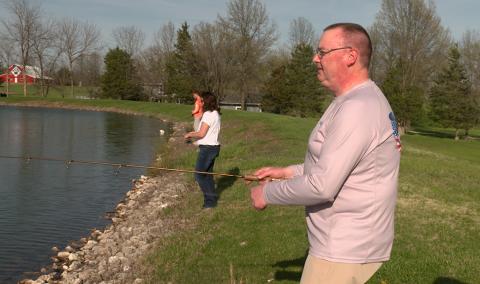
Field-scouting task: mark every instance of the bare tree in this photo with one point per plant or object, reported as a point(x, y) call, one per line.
point(213, 53)
point(301, 32)
point(151, 65)
point(165, 38)
point(411, 31)
point(46, 51)
point(20, 29)
point(88, 70)
point(470, 50)
point(130, 38)
point(249, 28)
point(7, 57)
point(152, 60)
point(77, 39)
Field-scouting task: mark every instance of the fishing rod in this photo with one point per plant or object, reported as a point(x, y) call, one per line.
point(120, 165)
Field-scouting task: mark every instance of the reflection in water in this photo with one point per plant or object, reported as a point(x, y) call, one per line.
point(45, 204)
point(116, 132)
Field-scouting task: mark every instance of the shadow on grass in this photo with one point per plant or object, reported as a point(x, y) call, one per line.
point(226, 182)
point(431, 133)
point(447, 280)
point(440, 134)
point(285, 273)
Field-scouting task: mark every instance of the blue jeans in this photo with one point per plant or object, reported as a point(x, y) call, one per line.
point(205, 161)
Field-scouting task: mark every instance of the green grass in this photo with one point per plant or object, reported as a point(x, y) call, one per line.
point(437, 216)
point(34, 90)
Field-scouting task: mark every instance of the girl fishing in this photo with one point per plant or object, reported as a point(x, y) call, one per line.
point(209, 147)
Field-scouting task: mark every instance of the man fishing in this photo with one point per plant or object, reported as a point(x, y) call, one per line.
point(348, 181)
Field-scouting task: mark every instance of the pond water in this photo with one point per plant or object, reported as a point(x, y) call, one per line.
point(45, 203)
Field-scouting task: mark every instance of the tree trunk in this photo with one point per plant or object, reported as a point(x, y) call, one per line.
point(456, 134)
point(42, 86)
point(42, 80)
point(71, 77)
point(47, 88)
point(24, 81)
point(244, 96)
point(71, 86)
point(402, 127)
point(8, 85)
point(244, 102)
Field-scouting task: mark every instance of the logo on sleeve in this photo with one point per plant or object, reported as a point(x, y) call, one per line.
point(396, 135)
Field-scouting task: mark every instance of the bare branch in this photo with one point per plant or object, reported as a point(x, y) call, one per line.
point(301, 32)
point(77, 39)
point(130, 39)
point(165, 38)
point(409, 30)
point(20, 29)
point(249, 28)
point(470, 50)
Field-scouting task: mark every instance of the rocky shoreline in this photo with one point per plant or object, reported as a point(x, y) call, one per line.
point(117, 253)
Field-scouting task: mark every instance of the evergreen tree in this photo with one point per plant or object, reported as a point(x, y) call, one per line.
point(119, 80)
point(276, 98)
point(294, 89)
point(303, 87)
point(452, 102)
point(406, 100)
point(181, 67)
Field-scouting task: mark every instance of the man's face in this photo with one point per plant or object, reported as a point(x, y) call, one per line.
point(330, 65)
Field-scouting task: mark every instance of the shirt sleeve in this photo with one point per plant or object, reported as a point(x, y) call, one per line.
point(348, 137)
point(297, 169)
point(208, 118)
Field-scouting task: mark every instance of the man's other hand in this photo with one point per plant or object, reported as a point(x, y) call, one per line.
point(256, 195)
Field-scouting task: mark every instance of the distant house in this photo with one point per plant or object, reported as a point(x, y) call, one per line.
point(15, 74)
point(254, 107)
point(233, 101)
point(155, 92)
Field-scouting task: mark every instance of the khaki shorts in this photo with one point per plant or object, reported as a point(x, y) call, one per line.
point(196, 123)
point(317, 271)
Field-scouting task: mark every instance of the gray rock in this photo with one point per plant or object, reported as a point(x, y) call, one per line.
point(63, 255)
point(73, 257)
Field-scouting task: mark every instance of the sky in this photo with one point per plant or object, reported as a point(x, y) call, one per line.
point(150, 15)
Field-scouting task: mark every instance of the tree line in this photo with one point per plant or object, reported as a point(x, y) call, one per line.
point(429, 78)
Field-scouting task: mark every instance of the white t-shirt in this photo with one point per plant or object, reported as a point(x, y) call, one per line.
point(212, 119)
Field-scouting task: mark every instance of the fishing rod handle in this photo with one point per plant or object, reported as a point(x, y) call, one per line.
point(251, 178)
point(255, 178)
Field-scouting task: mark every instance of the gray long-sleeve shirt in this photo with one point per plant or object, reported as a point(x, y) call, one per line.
point(348, 180)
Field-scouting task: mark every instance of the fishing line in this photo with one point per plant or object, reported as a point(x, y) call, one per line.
point(120, 165)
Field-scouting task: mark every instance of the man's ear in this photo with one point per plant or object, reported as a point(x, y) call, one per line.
point(352, 57)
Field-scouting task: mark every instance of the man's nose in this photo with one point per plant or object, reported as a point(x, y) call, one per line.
point(316, 58)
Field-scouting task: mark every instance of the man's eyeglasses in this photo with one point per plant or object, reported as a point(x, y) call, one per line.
point(321, 53)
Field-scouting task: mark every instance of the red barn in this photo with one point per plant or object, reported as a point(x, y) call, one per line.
point(15, 74)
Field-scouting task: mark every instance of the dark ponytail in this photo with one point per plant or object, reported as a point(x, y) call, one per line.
point(210, 102)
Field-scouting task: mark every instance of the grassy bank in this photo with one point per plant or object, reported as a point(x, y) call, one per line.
point(34, 90)
point(437, 217)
